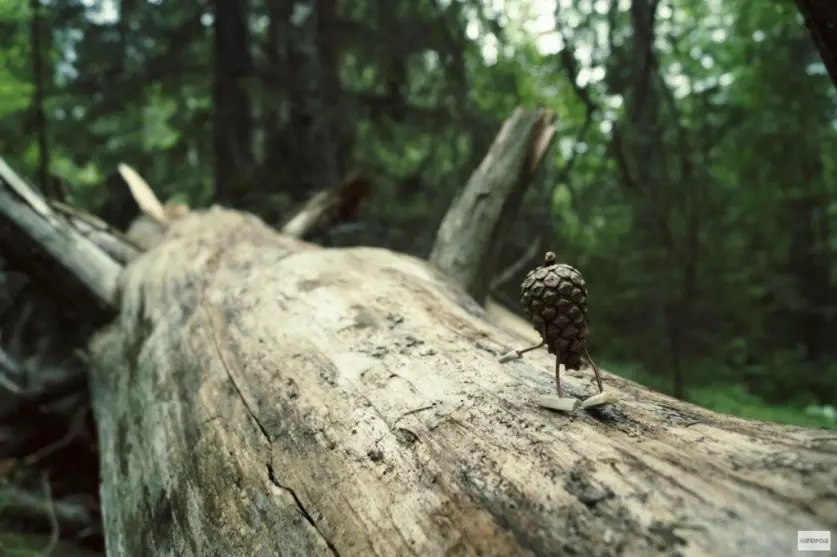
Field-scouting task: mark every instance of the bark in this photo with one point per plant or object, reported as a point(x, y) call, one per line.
point(261, 396)
point(472, 231)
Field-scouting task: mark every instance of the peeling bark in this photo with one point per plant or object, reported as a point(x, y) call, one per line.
point(258, 395)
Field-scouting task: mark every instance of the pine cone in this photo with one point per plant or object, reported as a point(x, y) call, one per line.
point(554, 298)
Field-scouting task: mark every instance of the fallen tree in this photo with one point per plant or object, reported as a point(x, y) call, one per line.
point(258, 395)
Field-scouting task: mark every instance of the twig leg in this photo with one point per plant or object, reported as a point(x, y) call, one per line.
point(558, 375)
point(524, 350)
point(543, 336)
point(595, 369)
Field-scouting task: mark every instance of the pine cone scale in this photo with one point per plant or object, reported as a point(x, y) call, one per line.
point(554, 299)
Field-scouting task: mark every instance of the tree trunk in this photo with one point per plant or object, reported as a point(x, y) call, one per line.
point(232, 130)
point(821, 20)
point(311, 118)
point(38, 97)
point(261, 396)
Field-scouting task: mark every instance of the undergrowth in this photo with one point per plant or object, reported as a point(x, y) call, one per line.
point(734, 399)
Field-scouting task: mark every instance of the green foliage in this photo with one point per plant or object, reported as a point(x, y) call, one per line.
point(736, 400)
point(14, 545)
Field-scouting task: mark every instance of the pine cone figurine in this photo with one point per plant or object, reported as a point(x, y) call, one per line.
point(554, 298)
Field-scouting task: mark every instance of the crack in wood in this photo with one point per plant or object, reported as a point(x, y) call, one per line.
point(271, 474)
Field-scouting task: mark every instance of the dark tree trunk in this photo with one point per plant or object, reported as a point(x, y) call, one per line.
point(38, 97)
point(821, 20)
point(310, 126)
point(276, 53)
point(233, 65)
point(342, 131)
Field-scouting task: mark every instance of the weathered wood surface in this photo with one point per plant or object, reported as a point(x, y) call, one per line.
point(261, 396)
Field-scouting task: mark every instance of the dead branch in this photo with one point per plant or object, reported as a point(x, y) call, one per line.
point(50, 250)
point(118, 246)
point(471, 233)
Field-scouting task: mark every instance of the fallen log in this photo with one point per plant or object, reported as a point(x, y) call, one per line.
point(261, 396)
point(322, 211)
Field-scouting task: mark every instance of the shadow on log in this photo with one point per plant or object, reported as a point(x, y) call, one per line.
point(261, 396)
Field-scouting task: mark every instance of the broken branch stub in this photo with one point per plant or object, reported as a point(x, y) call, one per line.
point(46, 246)
point(330, 206)
point(471, 234)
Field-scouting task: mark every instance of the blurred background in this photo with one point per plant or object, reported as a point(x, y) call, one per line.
point(692, 179)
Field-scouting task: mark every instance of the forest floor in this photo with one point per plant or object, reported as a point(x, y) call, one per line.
point(734, 399)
